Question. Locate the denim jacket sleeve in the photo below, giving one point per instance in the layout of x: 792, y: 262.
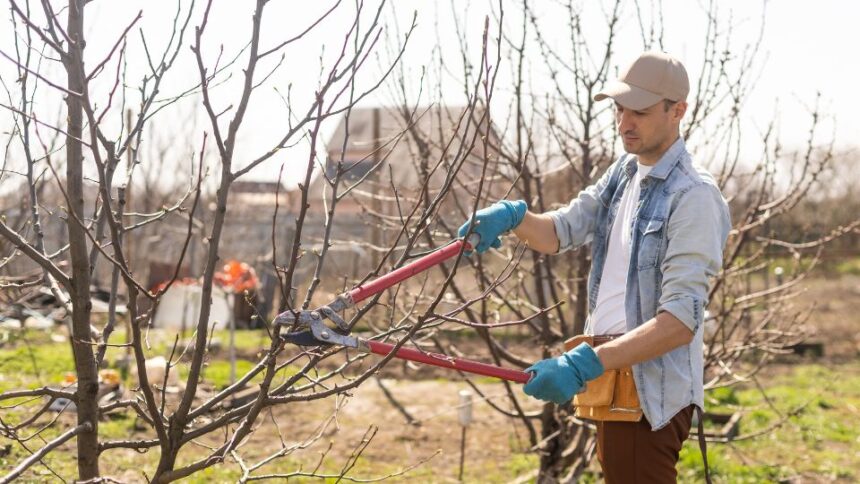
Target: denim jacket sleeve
x: 697, y: 231
x: 574, y: 224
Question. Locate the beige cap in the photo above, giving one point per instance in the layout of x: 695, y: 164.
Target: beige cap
x: 652, y: 77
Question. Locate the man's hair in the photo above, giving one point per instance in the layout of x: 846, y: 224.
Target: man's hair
x: 668, y: 104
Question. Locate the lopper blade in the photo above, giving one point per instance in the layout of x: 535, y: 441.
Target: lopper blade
x: 304, y: 338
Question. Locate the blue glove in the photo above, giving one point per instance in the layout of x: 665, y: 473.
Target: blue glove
x: 559, y: 379
x: 495, y: 220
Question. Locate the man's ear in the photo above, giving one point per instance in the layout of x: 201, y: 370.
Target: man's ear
x: 679, y: 109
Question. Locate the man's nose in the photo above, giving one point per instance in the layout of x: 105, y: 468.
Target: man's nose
x: 625, y: 121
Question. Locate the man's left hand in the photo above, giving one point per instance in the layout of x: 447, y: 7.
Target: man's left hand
x: 559, y: 379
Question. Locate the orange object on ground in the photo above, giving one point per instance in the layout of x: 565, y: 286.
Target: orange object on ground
x: 109, y: 376
x: 237, y: 277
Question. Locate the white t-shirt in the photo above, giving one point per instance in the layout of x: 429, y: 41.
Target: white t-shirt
x: 608, y: 316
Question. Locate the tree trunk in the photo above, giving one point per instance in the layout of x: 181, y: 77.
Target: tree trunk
x: 85, y: 365
x: 550, y: 454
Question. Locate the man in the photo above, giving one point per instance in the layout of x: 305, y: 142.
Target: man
x: 657, y: 227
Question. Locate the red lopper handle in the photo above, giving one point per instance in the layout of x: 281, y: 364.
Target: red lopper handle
x: 444, y: 361
x: 419, y: 265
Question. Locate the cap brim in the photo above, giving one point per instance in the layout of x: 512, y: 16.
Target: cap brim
x: 630, y: 97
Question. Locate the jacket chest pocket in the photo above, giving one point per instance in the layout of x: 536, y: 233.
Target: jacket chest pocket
x: 650, y: 243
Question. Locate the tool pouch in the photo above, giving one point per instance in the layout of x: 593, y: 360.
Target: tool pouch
x: 611, y: 396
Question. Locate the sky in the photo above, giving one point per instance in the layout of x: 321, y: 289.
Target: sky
x: 804, y: 52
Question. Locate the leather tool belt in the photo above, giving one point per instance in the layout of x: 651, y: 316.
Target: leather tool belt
x: 610, y: 397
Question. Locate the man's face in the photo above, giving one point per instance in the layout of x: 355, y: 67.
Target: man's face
x: 651, y: 131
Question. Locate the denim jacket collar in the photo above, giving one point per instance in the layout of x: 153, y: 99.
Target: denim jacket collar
x: 664, y: 165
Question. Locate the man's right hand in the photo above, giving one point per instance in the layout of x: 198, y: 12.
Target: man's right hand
x: 559, y: 379
x: 494, y: 221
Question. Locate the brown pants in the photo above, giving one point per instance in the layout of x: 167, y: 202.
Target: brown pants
x: 630, y: 452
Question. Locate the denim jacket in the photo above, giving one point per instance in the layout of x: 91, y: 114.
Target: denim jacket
x: 681, y: 225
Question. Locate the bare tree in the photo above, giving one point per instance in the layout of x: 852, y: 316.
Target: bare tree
x: 553, y: 142
x: 556, y: 141
x: 94, y: 136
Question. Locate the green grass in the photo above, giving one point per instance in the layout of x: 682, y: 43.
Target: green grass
x: 217, y: 372
x: 848, y: 267
x: 819, y: 438
x: 31, y: 359
x: 518, y: 464
x: 117, y: 426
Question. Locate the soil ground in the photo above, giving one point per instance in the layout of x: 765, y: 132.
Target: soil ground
x: 496, y: 447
